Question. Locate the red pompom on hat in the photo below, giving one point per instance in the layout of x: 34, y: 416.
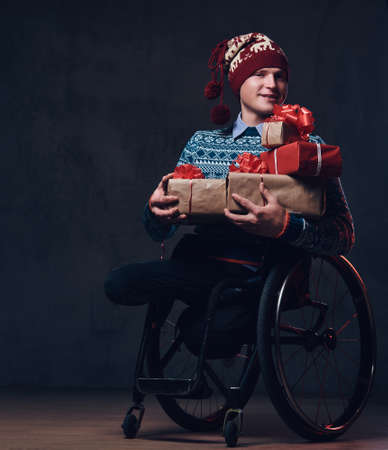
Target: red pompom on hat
x: 213, y: 90
x: 240, y: 57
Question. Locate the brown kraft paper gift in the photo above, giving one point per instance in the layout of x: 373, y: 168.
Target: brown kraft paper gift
x: 275, y: 134
x: 199, y: 198
x: 301, y: 196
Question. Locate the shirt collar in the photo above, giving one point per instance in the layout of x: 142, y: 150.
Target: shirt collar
x: 239, y: 127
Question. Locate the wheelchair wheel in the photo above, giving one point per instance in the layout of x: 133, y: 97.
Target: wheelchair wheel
x: 168, y: 356
x: 317, y: 345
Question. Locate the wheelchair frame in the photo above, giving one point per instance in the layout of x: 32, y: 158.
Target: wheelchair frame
x: 273, y: 285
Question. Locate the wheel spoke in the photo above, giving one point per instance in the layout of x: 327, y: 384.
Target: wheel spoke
x: 350, y: 358
x: 291, y: 329
x: 293, y: 354
x: 340, y: 299
x: 299, y: 339
x: 346, y: 380
x: 305, y: 371
x: 322, y: 391
x: 339, y: 382
x: 346, y: 324
x: 335, y: 299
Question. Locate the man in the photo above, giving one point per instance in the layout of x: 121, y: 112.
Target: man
x: 257, y: 70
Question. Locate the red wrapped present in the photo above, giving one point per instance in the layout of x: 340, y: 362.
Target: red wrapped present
x: 289, y: 123
x: 298, y: 116
x: 305, y: 159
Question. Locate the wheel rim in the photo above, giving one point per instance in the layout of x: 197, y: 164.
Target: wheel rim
x: 324, y: 348
x: 171, y: 358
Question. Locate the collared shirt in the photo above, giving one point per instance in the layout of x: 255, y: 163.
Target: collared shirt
x: 239, y: 127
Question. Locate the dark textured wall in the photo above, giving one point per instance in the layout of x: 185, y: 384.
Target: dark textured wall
x: 97, y: 103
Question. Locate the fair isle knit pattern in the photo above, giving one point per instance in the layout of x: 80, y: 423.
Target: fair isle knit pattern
x: 235, y: 54
x: 213, y: 151
x: 249, y: 52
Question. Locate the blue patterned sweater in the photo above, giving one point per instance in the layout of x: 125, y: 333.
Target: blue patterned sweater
x: 213, y: 151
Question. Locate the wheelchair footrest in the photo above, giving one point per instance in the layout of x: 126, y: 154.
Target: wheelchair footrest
x: 166, y: 386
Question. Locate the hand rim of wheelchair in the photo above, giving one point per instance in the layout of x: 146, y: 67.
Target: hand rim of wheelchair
x: 270, y: 350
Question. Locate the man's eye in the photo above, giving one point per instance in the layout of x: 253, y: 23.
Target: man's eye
x: 259, y: 74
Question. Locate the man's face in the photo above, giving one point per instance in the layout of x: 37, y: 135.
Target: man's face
x: 263, y: 89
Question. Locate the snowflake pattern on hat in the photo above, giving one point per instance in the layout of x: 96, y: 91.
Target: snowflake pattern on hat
x: 235, y: 55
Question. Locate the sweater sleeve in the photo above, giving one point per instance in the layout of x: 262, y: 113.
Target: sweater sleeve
x: 333, y: 233
x: 155, y: 229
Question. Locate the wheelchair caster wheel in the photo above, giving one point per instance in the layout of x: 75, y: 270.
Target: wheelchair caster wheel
x: 131, y: 423
x: 130, y: 426
x: 231, y: 433
x: 232, y: 426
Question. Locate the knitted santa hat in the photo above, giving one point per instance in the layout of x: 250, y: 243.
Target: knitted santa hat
x: 240, y: 57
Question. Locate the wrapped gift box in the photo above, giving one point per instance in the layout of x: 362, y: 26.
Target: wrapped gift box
x: 305, y: 159
x: 199, y: 198
x: 289, y: 123
x: 301, y: 196
x: 278, y: 133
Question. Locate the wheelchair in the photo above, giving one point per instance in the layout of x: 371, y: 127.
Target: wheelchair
x: 314, y: 345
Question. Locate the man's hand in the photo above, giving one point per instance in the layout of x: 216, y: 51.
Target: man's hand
x: 267, y: 220
x: 164, y: 206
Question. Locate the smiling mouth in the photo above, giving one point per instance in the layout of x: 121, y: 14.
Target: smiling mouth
x: 269, y: 97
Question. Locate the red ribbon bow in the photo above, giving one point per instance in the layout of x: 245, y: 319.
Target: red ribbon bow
x: 188, y: 172
x: 298, y: 116
x: 248, y: 163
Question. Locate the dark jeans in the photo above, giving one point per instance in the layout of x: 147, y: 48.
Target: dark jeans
x: 189, y: 281
x: 189, y: 276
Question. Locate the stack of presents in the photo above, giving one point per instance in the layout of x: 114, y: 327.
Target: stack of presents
x: 293, y: 169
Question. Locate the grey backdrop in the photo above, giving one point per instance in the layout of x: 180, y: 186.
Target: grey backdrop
x: 96, y: 104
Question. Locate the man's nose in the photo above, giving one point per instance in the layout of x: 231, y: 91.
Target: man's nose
x: 270, y: 81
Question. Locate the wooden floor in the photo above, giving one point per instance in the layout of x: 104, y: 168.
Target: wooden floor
x: 90, y: 420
